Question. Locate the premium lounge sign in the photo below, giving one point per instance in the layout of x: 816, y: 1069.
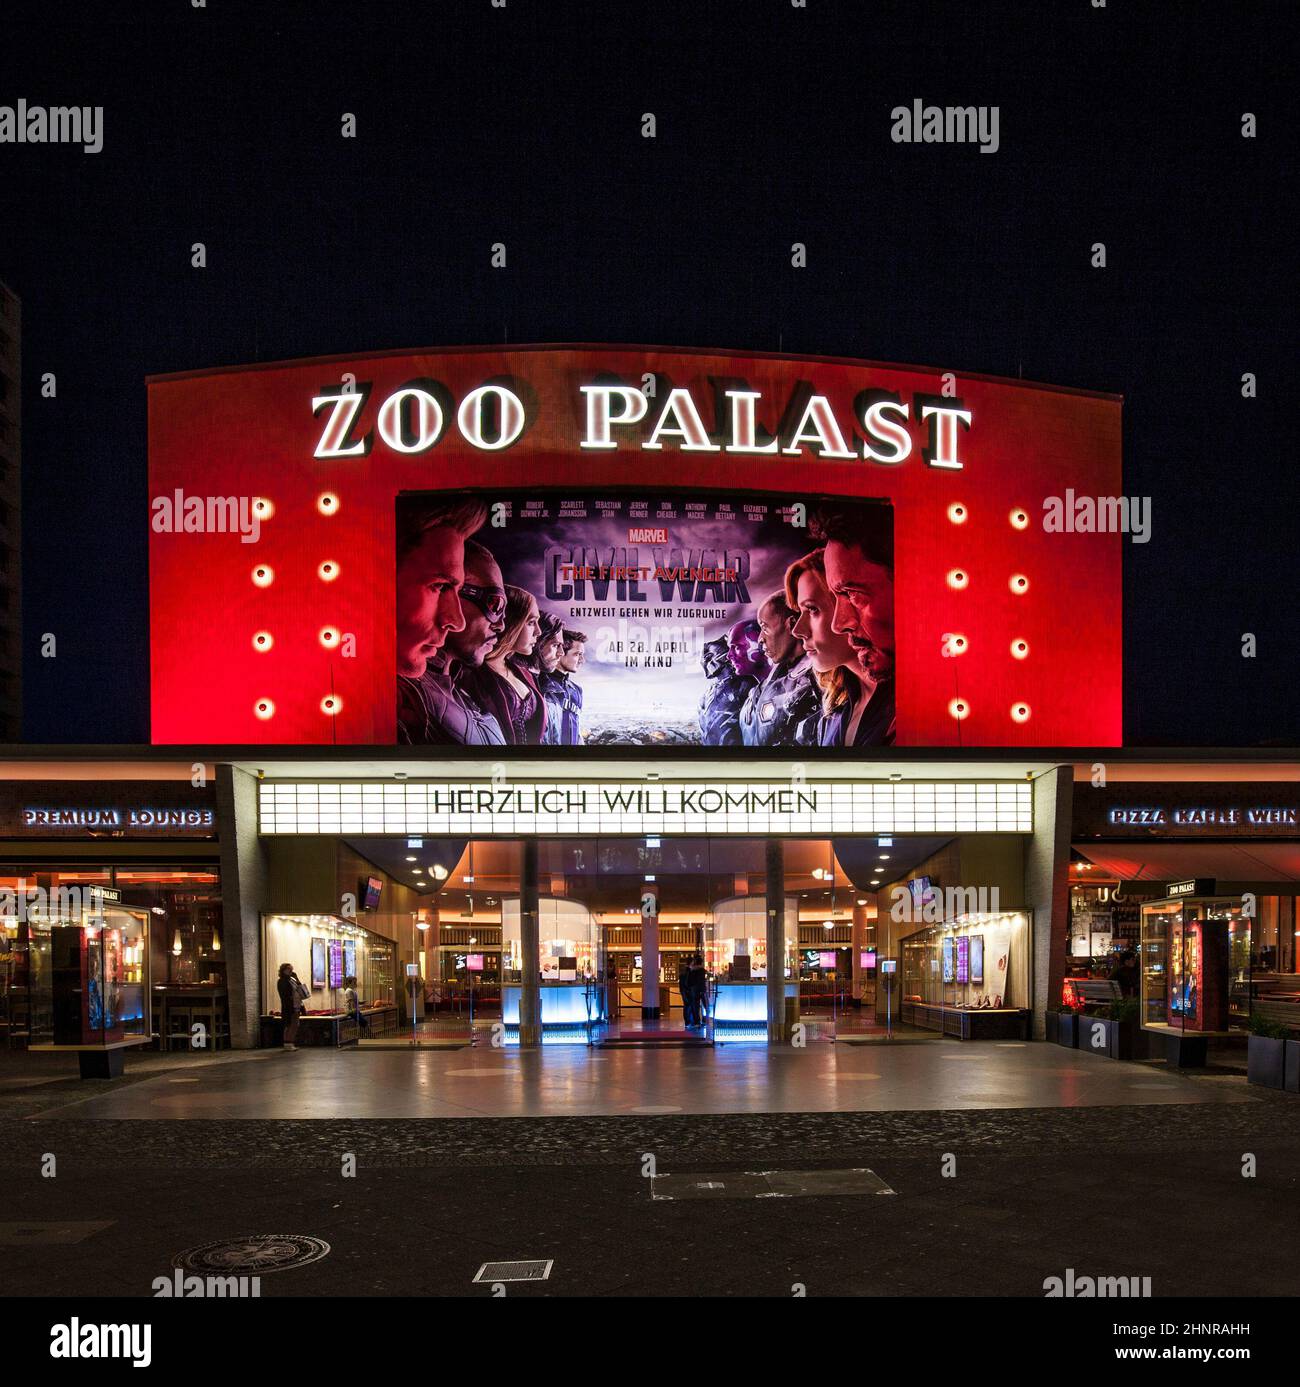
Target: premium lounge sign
x: 585, y: 807
x: 130, y: 817
x: 106, y: 809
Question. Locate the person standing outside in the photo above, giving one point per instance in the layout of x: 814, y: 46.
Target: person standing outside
x: 290, y: 990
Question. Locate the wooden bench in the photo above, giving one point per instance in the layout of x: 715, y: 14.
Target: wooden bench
x: 1094, y: 992
x: 1284, y: 1013
x: 96, y: 1061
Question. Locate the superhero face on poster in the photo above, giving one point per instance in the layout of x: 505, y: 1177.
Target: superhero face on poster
x: 644, y: 619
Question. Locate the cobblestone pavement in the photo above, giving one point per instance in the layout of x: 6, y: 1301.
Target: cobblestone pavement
x: 395, y: 1143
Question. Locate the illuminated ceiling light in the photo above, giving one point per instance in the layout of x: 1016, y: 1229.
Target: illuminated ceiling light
x: 958, y: 708
x: 1020, y: 518
x: 875, y: 881
x: 895, y: 776
x: 818, y: 873
x: 331, y: 704
x: 958, y: 578
x: 327, y: 503
x: 884, y: 857
x: 1019, y: 583
x: 262, y: 508
x: 1020, y: 712
x: 328, y: 571
x: 410, y: 859
x: 264, y: 709
x: 1020, y: 648
x: 885, y: 842
x: 955, y: 644
x: 862, y: 900
x: 263, y: 575
x: 652, y: 775
x: 176, y: 943
x: 958, y: 513
x: 828, y: 924
x: 329, y: 637
x: 263, y: 641
x: 652, y: 842
x: 439, y: 872
x: 468, y: 880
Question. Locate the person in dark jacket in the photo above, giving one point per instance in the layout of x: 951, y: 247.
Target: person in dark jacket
x: 684, y: 987
x: 286, y: 986
x: 698, y: 983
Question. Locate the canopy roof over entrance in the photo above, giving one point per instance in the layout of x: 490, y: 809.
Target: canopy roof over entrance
x: 1146, y: 861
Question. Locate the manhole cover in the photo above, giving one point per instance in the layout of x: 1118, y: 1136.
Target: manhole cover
x: 514, y: 1271
x: 260, y: 1253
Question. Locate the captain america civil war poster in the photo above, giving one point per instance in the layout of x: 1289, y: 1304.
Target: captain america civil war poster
x: 625, y: 619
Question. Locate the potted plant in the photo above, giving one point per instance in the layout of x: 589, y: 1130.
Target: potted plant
x: 1266, y: 1052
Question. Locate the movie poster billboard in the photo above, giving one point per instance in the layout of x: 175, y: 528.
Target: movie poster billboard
x: 660, y: 618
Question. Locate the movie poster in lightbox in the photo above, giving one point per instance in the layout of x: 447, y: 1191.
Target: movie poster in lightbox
x: 665, y: 590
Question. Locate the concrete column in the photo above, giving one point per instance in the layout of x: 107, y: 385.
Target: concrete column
x: 245, y: 894
x: 530, y: 995
x: 650, y: 1009
x: 1047, y: 887
x: 774, y: 897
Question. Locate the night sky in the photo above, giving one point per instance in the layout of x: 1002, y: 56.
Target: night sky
x: 523, y: 125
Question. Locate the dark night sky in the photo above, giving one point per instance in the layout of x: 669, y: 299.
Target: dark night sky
x: 522, y: 125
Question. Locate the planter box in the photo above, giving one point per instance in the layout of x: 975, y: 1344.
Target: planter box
x: 1291, y: 1067
x: 1099, y: 1035
x: 1067, y: 1029
x: 1266, y: 1061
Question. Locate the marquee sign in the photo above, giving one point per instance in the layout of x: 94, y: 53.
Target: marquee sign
x: 284, y: 497
x: 575, y: 808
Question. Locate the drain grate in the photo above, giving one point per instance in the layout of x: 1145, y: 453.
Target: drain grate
x: 767, y: 1184
x: 259, y: 1253
x: 31, y: 1234
x: 514, y: 1271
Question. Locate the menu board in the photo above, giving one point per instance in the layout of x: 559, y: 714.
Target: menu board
x: 349, y: 958
x: 977, y: 958
x: 963, y: 958
x: 948, y: 969
x: 336, y: 962
x: 318, y: 973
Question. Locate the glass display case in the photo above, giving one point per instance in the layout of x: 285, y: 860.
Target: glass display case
x: 326, y: 951
x: 969, y: 977
x: 1195, y: 965
x: 87, y: 974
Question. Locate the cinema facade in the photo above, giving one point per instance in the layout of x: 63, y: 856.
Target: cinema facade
x: 622, y: 695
